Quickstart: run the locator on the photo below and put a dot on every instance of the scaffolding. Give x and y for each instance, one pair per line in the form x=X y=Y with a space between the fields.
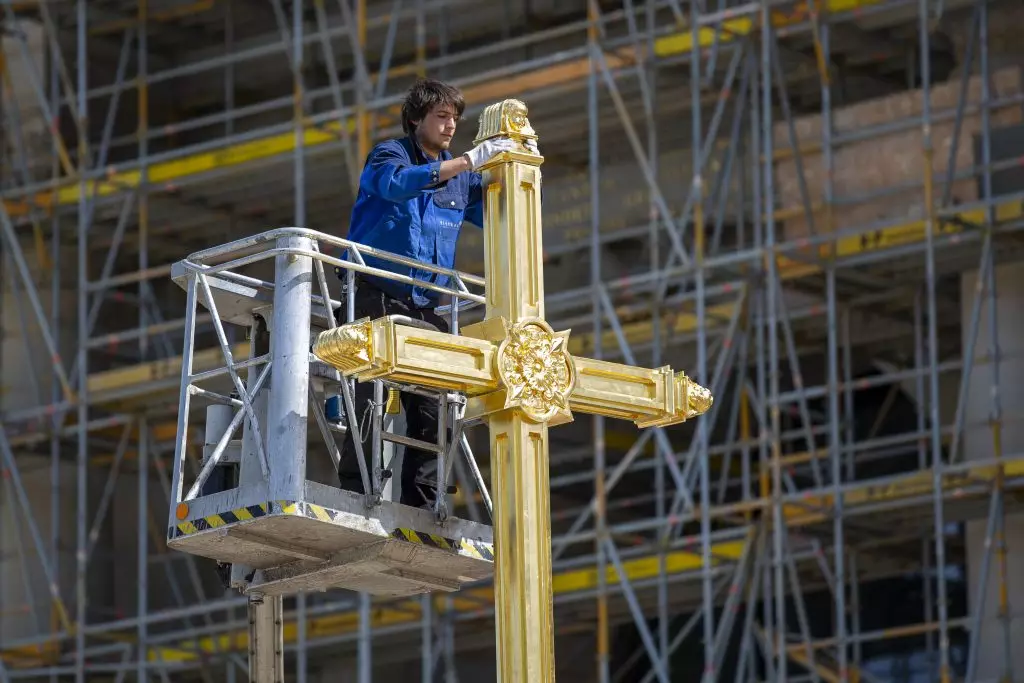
x=755 y=237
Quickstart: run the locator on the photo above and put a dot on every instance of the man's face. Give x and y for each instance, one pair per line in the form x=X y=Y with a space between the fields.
x=436 y=129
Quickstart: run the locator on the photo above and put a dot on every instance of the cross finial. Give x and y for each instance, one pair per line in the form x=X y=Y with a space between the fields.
x=508 y=118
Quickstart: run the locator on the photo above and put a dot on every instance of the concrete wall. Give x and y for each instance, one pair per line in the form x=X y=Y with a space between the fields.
x=26 y=369
x=23 y=582
x=24 y=104
x=889 y=161
x=978 y=445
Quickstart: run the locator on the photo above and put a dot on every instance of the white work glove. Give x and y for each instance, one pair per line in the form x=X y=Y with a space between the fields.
x=487 y=149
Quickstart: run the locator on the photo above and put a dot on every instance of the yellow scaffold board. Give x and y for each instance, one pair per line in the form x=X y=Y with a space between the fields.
x=815 y=508
x=728 y=30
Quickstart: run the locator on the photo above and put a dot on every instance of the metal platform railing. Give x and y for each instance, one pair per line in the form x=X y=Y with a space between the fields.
x=282 y=317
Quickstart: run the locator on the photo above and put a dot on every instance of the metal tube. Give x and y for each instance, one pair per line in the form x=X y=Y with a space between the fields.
x=961 y=103
x=778 y=561
x=708 y=618
x=365 y=634
x=654 y=239
x=143 y=549
x=674 y=644
x=994 y=352
x=794 y=368
x=706 y=148
x=222 y=444
x=143 y=142
x=184 y=399
x=933 y=350
x=287 y=410
x=83 y=333
x=603 y=654
x=55 y=392
x=14 y=249
x=776 y=65
x=298 y=115
x=481 y=484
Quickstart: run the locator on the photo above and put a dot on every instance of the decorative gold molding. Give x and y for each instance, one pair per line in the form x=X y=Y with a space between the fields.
x=508 y=118
x=349 y=347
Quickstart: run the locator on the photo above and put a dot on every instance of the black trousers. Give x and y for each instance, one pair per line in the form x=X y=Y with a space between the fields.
x=420 y=412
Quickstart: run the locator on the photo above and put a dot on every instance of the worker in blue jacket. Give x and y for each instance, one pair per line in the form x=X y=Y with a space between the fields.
x=413 y=198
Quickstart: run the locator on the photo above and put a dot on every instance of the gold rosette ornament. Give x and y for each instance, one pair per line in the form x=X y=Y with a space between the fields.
x=536 y=369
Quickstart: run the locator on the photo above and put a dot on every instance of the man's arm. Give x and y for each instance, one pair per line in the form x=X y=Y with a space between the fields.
x=388 y=174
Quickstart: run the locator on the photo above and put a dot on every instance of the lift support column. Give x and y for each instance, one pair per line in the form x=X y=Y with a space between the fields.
x=266 y=639
x=286 y=422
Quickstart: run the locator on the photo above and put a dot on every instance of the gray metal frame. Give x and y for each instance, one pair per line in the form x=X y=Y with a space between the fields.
x=267 y=522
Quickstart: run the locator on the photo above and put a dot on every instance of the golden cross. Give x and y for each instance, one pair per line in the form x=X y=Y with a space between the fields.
x=520 y=378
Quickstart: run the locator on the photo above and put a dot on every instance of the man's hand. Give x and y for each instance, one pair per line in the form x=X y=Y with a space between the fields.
x=487 y=149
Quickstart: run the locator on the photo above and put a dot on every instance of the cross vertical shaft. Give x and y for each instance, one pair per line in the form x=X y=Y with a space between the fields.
x=514 y=272
x=524 y=621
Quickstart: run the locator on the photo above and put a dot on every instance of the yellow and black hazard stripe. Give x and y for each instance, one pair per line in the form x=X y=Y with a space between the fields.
x=320 y=512
x=465 y=546
x=241 y=514
x=477 y=549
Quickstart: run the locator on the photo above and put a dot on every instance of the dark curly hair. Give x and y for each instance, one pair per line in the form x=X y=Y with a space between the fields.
x=424 y=95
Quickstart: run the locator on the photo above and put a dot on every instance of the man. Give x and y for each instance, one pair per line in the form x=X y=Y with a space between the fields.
x=413 y=197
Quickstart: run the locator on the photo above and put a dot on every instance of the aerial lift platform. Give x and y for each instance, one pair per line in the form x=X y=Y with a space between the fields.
x=251 y=507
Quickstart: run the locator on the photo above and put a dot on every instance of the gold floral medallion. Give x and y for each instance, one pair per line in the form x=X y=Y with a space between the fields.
x=536 y=368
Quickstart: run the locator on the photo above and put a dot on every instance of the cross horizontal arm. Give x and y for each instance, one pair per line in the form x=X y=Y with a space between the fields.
x=648 y=397
x=386 y=349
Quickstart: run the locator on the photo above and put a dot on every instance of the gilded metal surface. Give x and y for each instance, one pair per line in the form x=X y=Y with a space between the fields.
x=523 y=593
x=508 y=118
x=536 y=369
x=698 y=398
x=383 y=348
x=348 y=347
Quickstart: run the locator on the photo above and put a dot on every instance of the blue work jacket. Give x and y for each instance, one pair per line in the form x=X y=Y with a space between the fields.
x=403 y=208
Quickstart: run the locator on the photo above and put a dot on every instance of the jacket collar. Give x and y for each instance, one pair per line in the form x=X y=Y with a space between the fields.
x=421 y=156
